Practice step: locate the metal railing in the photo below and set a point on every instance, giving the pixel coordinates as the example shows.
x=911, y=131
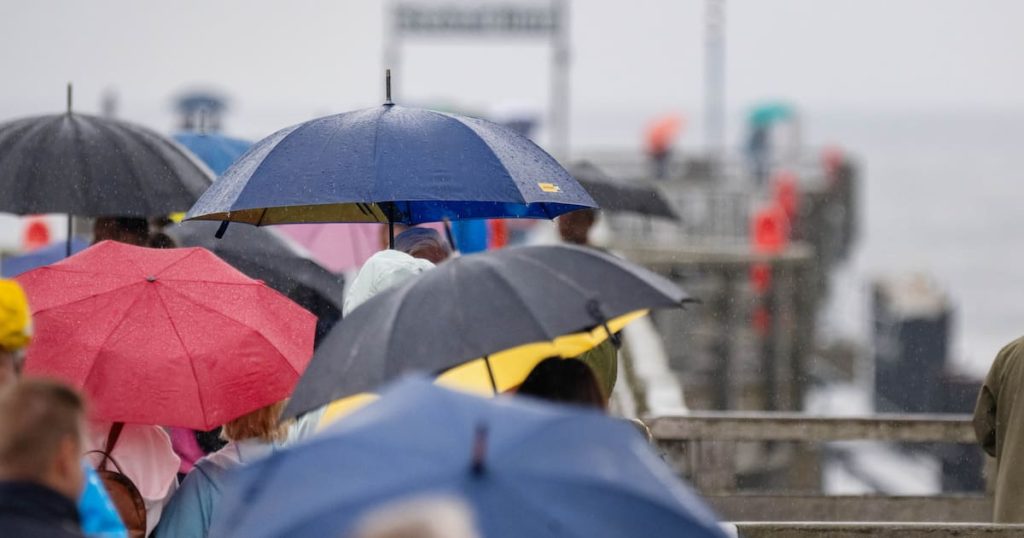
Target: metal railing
x=703, y=447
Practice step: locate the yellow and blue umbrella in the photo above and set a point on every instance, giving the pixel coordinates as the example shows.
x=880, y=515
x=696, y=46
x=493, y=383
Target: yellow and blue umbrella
x=475, y=307
x=502, y=371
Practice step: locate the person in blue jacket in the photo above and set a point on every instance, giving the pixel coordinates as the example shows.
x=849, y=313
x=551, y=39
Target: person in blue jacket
x=250, y=437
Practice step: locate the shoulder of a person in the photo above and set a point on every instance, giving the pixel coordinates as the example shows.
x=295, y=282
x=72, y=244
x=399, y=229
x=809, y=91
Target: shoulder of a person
x=1011, y=351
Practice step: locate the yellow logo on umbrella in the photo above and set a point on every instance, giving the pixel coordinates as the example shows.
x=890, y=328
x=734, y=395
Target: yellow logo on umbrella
x=549, y=187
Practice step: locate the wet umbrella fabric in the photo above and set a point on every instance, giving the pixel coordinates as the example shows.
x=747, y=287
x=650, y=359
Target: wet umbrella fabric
x=263, y=254
x=526, y=468
x=614, y=195
x=474, y=306
x=391, y=164
x=173, y=337
x=217, y=151
x=89, y=166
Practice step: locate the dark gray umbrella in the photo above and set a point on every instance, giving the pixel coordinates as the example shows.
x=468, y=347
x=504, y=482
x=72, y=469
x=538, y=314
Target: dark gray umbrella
x=475, y=306
x=264, y=255
x=88, y=166
x=618, y=195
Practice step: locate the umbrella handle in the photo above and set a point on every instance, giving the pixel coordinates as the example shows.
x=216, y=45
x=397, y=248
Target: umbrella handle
x=223, y=228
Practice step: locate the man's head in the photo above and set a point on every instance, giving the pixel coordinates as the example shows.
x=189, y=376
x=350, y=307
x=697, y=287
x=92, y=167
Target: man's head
x=385, y=234
x=42, y=426
x=423, y=243
x=574, y=227
x=131, y=230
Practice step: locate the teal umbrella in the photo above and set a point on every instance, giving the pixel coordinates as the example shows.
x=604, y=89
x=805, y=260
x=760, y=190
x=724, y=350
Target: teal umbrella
x=769, y=113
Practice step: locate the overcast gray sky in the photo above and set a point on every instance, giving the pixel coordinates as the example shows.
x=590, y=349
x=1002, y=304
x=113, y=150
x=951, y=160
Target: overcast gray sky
x=283, y=62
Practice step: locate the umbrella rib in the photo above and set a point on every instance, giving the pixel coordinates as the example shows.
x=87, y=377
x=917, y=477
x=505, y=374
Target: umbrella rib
x=86, y=298
x=191, y=362
x=180, y=260
x=153, y=144
x=376, y=139
x=225, y=316
x=24, y=137
x=533, y=318
x=106, y=339
x=558, y=275
x=113, y=137
x=504, y=166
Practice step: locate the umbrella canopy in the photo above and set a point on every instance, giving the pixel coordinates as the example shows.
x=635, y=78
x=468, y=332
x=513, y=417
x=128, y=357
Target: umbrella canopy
x=391, y=164
x=637, y=196
x=217, y=151
x=525, y=467
x=15, y=265
x=766, y=114
x=89, y=166
x=265, y=255
x=173, y=337
x=342, y=247
x=662, y=132
x=474, y=306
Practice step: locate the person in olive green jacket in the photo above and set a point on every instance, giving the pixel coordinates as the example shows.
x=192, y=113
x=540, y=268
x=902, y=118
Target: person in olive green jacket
x=574, y=228
x=999, y=426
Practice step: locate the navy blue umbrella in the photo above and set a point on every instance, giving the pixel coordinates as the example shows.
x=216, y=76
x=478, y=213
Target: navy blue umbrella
x=391, y=164
x=527, y=469
x=217, y=151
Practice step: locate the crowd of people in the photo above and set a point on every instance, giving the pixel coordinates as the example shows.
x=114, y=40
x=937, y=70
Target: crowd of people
x=63, y=474
x=168, y=481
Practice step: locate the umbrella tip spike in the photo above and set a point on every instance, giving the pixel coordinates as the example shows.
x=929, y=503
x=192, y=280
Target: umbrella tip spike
x=479, y=451
x=387, y=87
x=70, y=92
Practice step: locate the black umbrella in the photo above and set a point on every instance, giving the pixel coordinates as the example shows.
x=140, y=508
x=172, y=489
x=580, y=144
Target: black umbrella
x=264, y=255
x=475, y=306
x=88, y=166
x=622, y=196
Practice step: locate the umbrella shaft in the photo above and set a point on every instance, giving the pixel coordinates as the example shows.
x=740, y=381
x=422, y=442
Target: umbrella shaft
x=490, y=374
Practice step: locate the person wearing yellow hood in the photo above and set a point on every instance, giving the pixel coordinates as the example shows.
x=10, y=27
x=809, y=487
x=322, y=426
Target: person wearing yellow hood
x=15, y=328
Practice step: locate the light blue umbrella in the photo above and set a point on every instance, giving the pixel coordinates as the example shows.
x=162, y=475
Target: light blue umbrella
x=15, y=265
x=218, y=152
x=526, y=468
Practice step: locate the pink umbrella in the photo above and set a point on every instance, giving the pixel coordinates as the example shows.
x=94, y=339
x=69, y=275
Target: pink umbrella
x=340, y=247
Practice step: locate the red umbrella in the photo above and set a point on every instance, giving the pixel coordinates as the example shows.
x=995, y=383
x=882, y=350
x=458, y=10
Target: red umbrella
x=173, y=337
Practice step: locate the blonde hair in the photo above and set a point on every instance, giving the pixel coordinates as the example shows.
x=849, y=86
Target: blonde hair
x=260, y=424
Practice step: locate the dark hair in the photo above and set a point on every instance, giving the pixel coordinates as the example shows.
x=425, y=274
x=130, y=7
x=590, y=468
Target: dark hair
x=35, y=417
x=161, y=240
x=564, y=380
x=131, y=230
